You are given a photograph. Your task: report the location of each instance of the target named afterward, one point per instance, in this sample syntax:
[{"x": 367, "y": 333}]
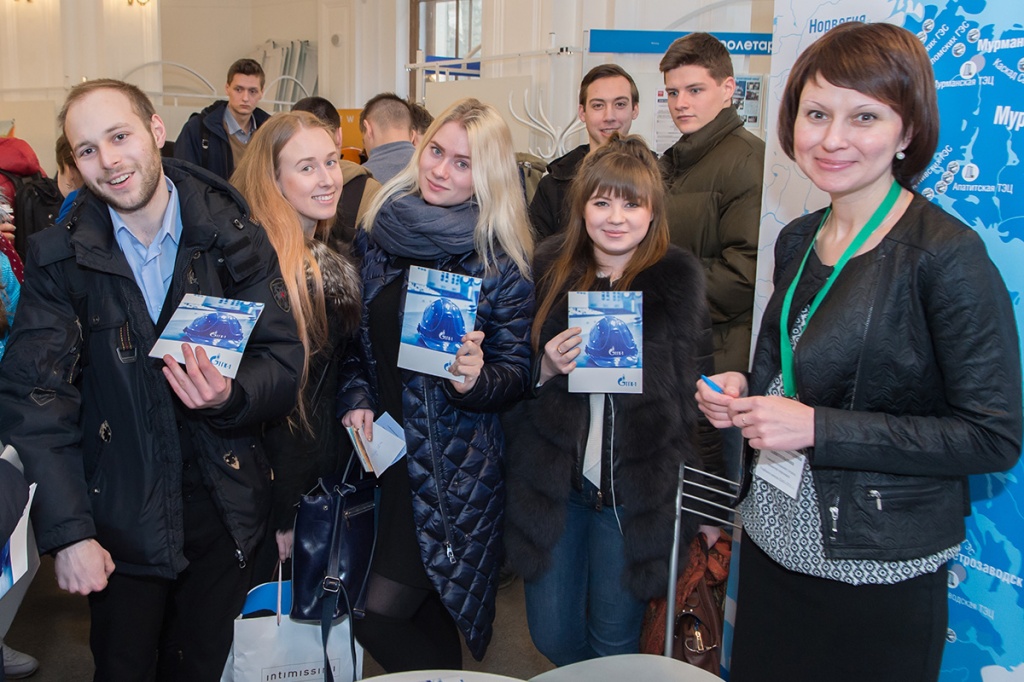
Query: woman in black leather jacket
[{"x": 903, "y": 379}]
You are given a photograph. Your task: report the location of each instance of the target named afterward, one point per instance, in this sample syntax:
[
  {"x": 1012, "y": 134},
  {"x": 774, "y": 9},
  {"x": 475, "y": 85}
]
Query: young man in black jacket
[
  {"x": 609, "y": 103},
  {"x": 153, "y": 487},
  {"x": 215, "y": 138}
]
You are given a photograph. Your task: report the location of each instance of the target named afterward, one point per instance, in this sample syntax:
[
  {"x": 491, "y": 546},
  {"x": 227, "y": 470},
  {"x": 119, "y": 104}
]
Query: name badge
[{"x": 782, "y": 469}]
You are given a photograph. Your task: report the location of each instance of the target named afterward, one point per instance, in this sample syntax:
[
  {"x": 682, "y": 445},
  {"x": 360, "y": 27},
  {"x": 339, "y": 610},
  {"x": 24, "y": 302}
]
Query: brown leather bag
[{"x": 698, "y": 612}]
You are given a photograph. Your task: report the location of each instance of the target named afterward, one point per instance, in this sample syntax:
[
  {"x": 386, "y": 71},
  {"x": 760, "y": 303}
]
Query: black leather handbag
[{"x": 335, "y": 534}]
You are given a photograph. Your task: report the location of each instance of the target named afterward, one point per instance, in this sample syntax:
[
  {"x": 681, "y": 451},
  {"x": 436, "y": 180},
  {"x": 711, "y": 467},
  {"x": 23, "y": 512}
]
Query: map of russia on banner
[{"x": 977, "y": 51}]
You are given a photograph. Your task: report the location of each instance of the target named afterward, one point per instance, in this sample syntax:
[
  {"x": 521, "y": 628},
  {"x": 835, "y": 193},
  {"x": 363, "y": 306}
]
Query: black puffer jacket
[
  {"x": 652, "y": 433},
  {"x": 93, "y": 417},
  {"x": 912, "y": 365},
  {"x": 455, "y": 443}
]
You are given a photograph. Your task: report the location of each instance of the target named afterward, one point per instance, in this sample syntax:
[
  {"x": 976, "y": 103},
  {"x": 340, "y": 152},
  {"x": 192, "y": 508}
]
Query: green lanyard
[{"x": 786, "y": 346}]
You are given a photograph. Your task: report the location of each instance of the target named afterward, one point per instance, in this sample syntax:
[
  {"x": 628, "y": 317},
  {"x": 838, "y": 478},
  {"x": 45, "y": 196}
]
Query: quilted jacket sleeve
[
  {"x": 972, "y": 329},
  {"x": 353, "y": 381},
  {"x": 505, "y": 316}
]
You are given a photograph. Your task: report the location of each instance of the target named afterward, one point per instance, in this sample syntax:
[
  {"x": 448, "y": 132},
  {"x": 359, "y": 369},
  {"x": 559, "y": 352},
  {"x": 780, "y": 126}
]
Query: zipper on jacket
[
  {"x": 190, "y": 275},
  {"x": 443, "y": 507},
  {"x": 77, "y": 351},
  {"x": 600, "y": 500},
  {"x": 240, "y": 556},
  {"x": 877, "y": 497},
  {"x": 863, "y": 342},
  {"x": 834, "y": 513}
]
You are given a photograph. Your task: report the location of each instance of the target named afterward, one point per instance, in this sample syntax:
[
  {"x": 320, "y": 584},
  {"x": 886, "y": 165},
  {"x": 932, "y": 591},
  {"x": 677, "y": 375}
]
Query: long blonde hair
[
  {"x": 256, "y": 178},
  {"x": 502, "y": 222}
]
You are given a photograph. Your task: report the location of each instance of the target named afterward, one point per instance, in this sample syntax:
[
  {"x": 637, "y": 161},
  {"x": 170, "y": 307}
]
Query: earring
[{"x": 900, "y": 155}]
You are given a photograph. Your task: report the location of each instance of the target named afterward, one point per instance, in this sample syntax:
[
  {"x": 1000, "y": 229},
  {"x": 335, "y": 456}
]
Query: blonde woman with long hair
[
  {"x": 291, "y": 179},
  {"x": 458, "y": 207}
]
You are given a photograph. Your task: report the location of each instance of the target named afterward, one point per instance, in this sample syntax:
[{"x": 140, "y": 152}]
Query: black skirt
[{"x": 792, "y": 627}]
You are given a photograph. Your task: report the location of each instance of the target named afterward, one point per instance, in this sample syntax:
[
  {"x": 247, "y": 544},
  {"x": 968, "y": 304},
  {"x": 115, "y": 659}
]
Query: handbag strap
[
  {"x": 330, "y": 605},
  {"x": 332, "y": 586}
]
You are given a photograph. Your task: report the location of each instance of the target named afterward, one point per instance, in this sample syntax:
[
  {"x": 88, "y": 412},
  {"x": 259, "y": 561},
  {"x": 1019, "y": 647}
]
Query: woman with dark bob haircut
[{"x": 887, "y": 370}]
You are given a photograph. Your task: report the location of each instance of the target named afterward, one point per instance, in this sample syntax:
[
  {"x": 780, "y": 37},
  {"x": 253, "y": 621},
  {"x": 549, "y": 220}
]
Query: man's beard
[{"x": 148, "y": 178}]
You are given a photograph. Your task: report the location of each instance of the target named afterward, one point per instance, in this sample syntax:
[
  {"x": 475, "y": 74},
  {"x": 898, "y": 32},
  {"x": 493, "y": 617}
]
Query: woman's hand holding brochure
[{"x": 380, "y": 453}]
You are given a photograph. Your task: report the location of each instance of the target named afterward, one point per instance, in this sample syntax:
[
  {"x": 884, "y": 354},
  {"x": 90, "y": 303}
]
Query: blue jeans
[{"x": 580, "y": 609}]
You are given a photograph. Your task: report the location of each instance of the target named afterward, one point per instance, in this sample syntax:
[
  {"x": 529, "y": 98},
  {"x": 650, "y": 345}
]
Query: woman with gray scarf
[{"x": 457, "y": 207}]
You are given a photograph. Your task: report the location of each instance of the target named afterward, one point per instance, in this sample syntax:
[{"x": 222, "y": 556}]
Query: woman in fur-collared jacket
[
  {"x": 592, "y": 477},
  {"x": 291, "y": 177}
]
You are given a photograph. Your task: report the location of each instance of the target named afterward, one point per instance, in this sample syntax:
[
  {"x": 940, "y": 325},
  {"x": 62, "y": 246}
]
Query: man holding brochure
[{"x": 153, "y": 487}]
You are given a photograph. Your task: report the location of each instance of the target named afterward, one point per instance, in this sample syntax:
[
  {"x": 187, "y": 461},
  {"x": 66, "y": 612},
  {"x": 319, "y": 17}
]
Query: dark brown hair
[
  {"x": 421, "y": 118},
  {"x": 387, "y": 110},
  {"x": 882, "y": 61},
  {"x": 623, "y": 167},
  {"x": 247, "y": 67},
  {"x": 607, "y": 71},
  {"x": 700, "y": 49},
  {"x": 322, "y": 109}
]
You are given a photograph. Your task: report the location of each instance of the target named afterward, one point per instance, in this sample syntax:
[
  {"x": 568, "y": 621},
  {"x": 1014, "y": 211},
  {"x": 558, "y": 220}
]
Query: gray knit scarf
[{"x": 411, "y": 228}]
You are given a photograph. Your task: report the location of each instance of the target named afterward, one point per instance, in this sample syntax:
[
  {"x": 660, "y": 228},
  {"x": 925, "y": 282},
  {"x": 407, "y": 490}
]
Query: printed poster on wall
[
  {"x": 747, "y": 99},
  {"x": 977, "y": 51}
]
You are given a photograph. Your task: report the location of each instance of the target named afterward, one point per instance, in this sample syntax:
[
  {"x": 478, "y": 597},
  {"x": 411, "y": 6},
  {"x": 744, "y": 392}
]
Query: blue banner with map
[{"x": 977, "y": 51}]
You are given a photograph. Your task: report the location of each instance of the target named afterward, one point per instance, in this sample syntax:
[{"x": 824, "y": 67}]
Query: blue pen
[{"x": 712, "y": 385}]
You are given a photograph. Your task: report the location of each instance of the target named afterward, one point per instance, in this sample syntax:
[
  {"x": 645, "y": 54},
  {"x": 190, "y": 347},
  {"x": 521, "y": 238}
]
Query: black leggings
[{"x": 408, "y": 628}]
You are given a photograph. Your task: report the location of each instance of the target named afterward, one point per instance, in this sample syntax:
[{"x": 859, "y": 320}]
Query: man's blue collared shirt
[
  {"x": 153, "y": 267},
  {"x": 235, "y": 129}
]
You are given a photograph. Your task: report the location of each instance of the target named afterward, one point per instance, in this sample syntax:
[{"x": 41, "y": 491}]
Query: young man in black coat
[
  {"x": 609, "y": 103},
  {"x": 153, "y": 487},
  {"x": 215, "y": 138}
]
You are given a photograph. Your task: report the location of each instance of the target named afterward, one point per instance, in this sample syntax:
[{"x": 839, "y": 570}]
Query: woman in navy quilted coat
[{"x": 457, "y": 207}]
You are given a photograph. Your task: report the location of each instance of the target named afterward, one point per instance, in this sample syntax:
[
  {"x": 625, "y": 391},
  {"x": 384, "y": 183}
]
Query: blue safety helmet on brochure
[
  {"x": 611, "y": 344},
  {"x": 442, "y": 326},
  {"x": 215, "y": 329}
]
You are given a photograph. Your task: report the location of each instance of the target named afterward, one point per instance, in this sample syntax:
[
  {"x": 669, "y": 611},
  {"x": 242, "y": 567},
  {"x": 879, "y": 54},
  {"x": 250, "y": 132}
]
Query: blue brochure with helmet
[
  {"x": 222, "y": 326},
  {"x": 611, "y": 353},
  {"x": 440, "y": 308}
]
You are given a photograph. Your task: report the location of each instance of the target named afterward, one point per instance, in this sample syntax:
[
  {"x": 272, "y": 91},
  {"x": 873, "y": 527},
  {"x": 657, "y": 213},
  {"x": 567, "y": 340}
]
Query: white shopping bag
[{"x": 275, "y": 647}]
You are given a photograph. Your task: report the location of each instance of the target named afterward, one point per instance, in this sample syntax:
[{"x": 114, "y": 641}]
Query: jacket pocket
[
  {"x": 896, "y": 497},
  {"x": 106, "y": 325},
  {"x": 902, "y": 517}
]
